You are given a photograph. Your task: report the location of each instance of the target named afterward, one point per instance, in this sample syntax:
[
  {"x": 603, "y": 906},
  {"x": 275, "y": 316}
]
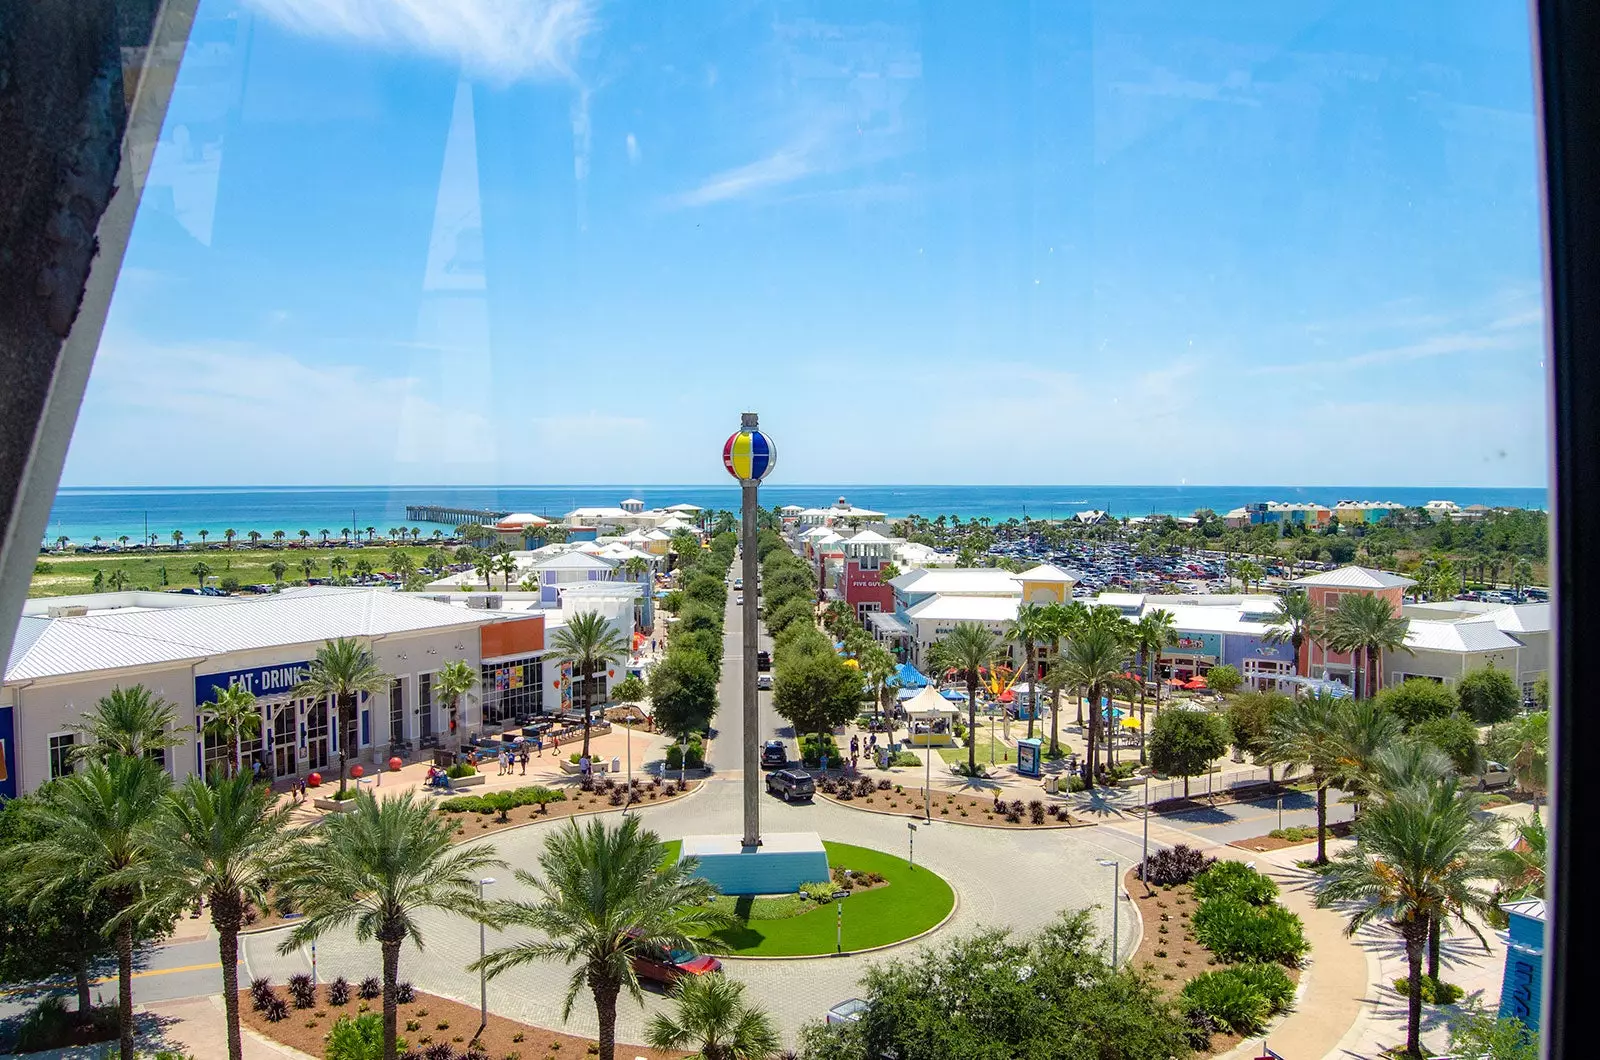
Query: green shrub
[
  {"x": 457, "y": 770},
  {"x": 360, "y": 1038},
  {"x": 1227, "y": 999},
  {"x": 1434, "y": 992},
  {"x": 343, "y": 796},
  {"x": 812, "y": 748},
  {"x": 1237, "y": 879},
  {"x": 905, "y": 758},
  {"x": 533, "y": 795},
  {"x": 1271, "y": 980},
  {"x": 1235, "y": 930},
  {"x": 45, "y": 1026},
  {"x": 677, "y": 758},
  {"x": 1224, "y": 678},
  {"x": 817, "y": 892}
]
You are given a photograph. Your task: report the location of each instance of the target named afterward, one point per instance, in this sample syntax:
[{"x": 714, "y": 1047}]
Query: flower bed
[
  {"x": 885, "y": 796},
  {"x": 479, "y": 815},
  {"x": 425, "y": 1021},
  {"x": 1199, "y": 916},
  {"x": 1279, "y": 838}
]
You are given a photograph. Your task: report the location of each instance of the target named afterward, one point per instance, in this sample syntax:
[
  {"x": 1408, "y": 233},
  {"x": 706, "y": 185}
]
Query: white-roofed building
[{"x": 71, "y": 652}]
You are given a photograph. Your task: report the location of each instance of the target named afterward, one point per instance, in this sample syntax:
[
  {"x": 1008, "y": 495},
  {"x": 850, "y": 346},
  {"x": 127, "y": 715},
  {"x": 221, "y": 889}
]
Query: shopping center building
[{"x": 71, "y": 651}]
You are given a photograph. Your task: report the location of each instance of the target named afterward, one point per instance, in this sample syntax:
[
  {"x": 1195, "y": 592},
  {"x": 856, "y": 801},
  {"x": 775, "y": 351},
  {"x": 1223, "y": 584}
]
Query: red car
[{"x": 666, "y": 967}]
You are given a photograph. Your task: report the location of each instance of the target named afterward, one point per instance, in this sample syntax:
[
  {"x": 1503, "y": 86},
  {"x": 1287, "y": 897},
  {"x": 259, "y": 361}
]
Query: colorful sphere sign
[{"x": 749, "y": 455}]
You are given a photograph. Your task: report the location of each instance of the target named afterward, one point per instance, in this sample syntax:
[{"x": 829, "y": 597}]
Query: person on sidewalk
[
  {"x": 522, "y": 759},
  {"x": 538, "y": 745}
]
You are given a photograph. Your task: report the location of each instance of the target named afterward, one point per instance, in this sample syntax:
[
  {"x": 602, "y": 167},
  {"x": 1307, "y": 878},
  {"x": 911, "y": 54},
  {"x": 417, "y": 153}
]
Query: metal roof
[
  {"x": 1356, "y": 578},
  {"x": 968, "y": 581},
  {"x": 1460, "y": 637},
  {"x": 966, "y": 609},
  {"x": 56, "y": 647}
]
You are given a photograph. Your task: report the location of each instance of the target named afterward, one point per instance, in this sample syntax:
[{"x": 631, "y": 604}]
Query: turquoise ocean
[{"x": 82, "y": 513}]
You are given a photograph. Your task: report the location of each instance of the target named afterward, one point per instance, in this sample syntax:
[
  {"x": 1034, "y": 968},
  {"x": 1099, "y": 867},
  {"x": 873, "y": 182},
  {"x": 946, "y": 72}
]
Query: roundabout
[{"x": 902, "y": 903}]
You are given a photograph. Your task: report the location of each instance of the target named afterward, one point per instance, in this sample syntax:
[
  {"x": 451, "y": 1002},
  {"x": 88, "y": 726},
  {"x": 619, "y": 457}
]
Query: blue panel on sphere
[{"x": 783, "y": 862}]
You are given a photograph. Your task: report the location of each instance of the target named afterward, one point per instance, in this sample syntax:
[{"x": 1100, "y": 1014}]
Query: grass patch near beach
[{"x": 66, "y": 575}]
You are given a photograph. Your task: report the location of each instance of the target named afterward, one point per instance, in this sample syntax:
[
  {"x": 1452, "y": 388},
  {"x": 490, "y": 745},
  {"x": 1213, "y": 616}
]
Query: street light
[
  {"x": 1144, "y": 858},
  {"x": 1116, "y": 895},
  {"x": 483, "y": 973}
]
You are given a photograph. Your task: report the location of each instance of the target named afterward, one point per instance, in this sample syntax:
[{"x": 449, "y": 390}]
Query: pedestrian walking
[
  {"x": 538, "y": 745},
  {"x": 555, "y": 744},
  {"x": 522, "y": 759}
]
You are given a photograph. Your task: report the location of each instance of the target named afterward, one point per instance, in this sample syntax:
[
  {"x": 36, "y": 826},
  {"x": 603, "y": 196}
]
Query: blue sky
[{"x": 557, "y": 241}]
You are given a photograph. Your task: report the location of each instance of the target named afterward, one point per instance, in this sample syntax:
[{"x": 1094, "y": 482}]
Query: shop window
[
  {"x": 397, "y": 709},
  {"x": 512, "y": 690}
]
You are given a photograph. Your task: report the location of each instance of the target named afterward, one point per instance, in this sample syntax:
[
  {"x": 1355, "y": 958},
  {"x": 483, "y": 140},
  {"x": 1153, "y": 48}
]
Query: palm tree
[
  {"x": 1363, "y": 624},
  {"x": 711, "y": 1015},
  {"x": 344, "y": 670},
  {"x": 1154, "y": 632},
  {"x": 454, "y": 680},
  {"x": 118, "y": 580},
  {"x": 254, "y": 536},
  {"x": 1521, "y": 574},
  {"x": 1061, "y": 621},
  {"x": 1420, "y": 857},
  {"x": 223, "y": 843},
  {"x": 1362, "y": 730},
  {"x": 1302, "y": 734},
  {"x": 228, "y": 536},
  {"x": 603, "y": 896},
  {"x": 507, "y": 565},
  {"x": 234, "y": 715},
  {"x": 132, "y": 721},
  {"x": 98, "y": 826},
  {"x": 968, "y": 650},
  {"x": 305, "y": 535},
  {"x": 325, "y": 533},
  {"x": 277, "y": 537},
  {"x": 278, "y": 568},
  {"x": 590, "y": 643},
  {"x": 203, "y": 535},
  {"x": 200, "y": 571},
  {"x": 1522, "y": 865},
  {"x": 337, "y": 565},
  {"x": 1028, "y": 630},
  {"x": 177, "y": 539},
  {"x": 372, "y": 532},
  {"x": 374, "y": 869},
  {"x": 1094, "y": 662},
  {"x": 1294, "y": 620},
  {"x": 878, "y": 666},
  {"x": 309, "y": 566},
  {"x": 485, "y": 566}
]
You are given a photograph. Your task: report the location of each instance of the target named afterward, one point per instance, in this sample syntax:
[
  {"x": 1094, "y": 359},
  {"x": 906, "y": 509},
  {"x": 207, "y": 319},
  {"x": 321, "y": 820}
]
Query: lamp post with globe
[{"x": 749, "y": 456}]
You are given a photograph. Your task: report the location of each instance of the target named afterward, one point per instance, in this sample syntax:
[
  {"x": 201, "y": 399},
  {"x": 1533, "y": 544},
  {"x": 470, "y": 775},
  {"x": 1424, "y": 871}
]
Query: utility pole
[{"x": 749, "y": 456}]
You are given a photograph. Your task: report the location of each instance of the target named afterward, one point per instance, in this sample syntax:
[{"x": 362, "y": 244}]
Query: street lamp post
[
  {"x": 1144, "y": 859},
  {"x": 628, "y": 725},
  {"x": 1116, "y": 897},
  {"x": 483, "y": 973},
  {"x": 927, "y": 782}
]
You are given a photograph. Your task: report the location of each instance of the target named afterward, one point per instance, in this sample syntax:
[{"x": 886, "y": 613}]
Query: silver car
[{"x": 1492, "y": 775}]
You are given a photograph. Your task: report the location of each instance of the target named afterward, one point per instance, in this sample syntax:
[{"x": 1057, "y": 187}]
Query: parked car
[
  {"x": 1492, "y": 775},
  {"x": 791, "y": 784},
  {"x": 739, "y": 600},
  {"x": 668, "y": 966},
  {"x": 738, "y": 583},
  {"x": 764, "y": 682},
  {"x": 774, "y": 755}
]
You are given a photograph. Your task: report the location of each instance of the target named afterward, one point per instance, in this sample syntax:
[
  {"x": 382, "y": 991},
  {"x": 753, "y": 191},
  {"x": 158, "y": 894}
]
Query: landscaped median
[
  {"x": 478, "y": 815},
  {"x": 1217, "y": 940},
  {"x": 889, "y": 901},
  {"x": 884, "y": 796}
]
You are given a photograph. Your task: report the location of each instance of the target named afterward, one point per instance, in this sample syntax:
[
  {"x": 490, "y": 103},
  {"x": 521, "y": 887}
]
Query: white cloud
[
  {"x": 632, "y": 144},
  {"x": 232, "y": 413},
  {"x": 781, "y": 167},
  {"x": 508, "y": 40}
]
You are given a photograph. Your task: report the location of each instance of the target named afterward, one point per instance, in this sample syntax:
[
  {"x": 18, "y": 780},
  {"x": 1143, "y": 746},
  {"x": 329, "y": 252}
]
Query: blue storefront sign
[
  {"x": 263, "y": 681},
  {"x": 8, "y": 754}
]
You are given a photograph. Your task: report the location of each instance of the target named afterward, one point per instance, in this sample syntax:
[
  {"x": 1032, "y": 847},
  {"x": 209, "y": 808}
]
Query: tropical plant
[
  {"x": 1366, "y": 625},
  {"x": 969, "y": 650},
  {"x": 278, "y": 568},
  {"x": 1186, "y": 742},
  {"x": 308, "y": 566},
  {"x": 506, "y": 563},
  {"x": 374, "y": 869},
  {"x": 133, "y": 721},
  {"x": 98, "y": 826},
  {"x": 710, "y": 1015},
  {"x": 233, "y": 716},
  {"x": 1224, "y": 678},
  {"x": 603, "y": 896},
  {"x": 357, "y": 1037},
  {"x": 118, "y": 580},
  {"x": 1490, "y": 695},
  {"x": 1303, "y": 736},
  {"x": 1094, "y": 662},
  {"x": 591, "y": 644},
  {"x": 223, "y": 843},
  {"x": 1419, "y": 699},
  {"x": 201, "y": 572},
  {"x": 1421, "y": 857},
  {"x": 1028, "y": 630},
  {"x": 344, "y": 670},
  {"x": 1155, "y": 631},
  {"x": 1521, "y": 866},
  {"x": 455, "y": 679},
  {"x": 1524, "y": 745},
  {"x": 1362, "y": 729}
]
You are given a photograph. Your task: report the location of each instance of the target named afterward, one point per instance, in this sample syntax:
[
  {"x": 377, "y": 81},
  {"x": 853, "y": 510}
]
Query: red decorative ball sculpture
[
  {"x": 314, "y": 780},
  {"x": 356, "y": 772},
  {"x": 395, "y": 764}
]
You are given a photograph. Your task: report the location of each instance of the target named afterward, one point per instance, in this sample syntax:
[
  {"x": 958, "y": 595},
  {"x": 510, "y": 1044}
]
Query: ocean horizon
[{"x": 81, "y": 513}]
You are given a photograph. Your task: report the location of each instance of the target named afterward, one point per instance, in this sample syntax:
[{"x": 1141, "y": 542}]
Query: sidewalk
[{"x": 195, "y": 1026}]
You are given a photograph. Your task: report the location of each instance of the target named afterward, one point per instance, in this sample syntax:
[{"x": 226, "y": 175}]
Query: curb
[{"x": 954, "y": 906}]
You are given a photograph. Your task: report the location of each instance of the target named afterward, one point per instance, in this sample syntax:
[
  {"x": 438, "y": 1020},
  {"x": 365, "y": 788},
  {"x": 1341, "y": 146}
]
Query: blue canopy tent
[{"x": 908, "y": 676}]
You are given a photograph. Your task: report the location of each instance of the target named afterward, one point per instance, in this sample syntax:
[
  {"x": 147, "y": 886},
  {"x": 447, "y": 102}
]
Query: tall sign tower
[{"x": 749, "y": 456}]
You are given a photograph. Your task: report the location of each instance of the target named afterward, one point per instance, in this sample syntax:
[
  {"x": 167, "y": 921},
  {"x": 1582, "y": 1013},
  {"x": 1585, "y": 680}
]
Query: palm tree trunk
[
  {"x": 344, "y": 740},
  {"x": 1433, "y": 949},
  {"x": 125, "y": 989},
  {"x": 1322, "y": 823},
  {"x": 226, "y": 917},
  {"x": 1141, "y": 711},
  {"x": 80, "y": 976},
  {"x": 605, "y": 1007},
  {"x": 1414, "y": 945},
  {"x": 972, "y": 723},
  {"x": 586, "y": 706},
  {"x": 1089, "y": 756},
  {"x": 1033, "y": 687},
  {"x": 391, "y": 1007}
]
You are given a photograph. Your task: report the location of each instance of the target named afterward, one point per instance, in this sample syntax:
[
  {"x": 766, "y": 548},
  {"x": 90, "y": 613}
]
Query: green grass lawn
[
  {"x": 65, "y": 575},
  {"x": 914, "y": 901},
  {"x": 1002, "y": 752}
]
